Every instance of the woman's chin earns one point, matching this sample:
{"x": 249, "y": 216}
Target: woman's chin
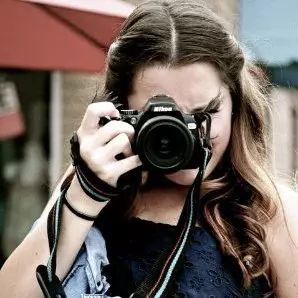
{"x": 183, "y": 177}
{"x": 187, "y": 177}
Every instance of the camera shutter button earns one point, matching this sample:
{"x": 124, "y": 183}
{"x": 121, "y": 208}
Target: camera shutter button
{"x": 133, "y": 120}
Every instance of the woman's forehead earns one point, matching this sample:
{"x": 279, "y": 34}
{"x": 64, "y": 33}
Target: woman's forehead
{"x": 187, "y": 85}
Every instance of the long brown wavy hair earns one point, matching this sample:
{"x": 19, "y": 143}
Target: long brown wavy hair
{"x": 240, "y": 194}
{"x": 177, "y": 33}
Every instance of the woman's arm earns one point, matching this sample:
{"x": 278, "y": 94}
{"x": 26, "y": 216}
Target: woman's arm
{"x": 282, "y": 243}
{"x": 17, "y": 278}
{"x": 98, "y": 147}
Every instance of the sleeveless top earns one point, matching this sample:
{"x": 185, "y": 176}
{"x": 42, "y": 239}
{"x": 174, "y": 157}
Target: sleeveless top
{"x": 134, "y": 244}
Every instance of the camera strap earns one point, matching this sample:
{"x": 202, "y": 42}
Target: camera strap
{"x": 158, "y": 281}
{"x": 46, "y": 275}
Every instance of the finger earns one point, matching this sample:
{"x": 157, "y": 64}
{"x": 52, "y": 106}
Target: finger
{"x": 97, "y": 110}
{"x": 112, "y": 129}
{"x": 102, "y": 146}
{"x": 111, "y": 172}
{"x": 119, "y": 144}
{"x": 125, "y": 165}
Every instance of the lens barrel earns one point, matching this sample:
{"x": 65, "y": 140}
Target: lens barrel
{"x": 164, "y": 144}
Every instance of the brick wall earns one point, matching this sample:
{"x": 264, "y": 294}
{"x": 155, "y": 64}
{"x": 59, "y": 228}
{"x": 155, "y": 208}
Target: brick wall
{"x": 78, "y": 89}
{"x": 285, "y": 128}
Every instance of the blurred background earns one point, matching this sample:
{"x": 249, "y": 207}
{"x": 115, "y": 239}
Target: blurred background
{"x": 52, "y": 61}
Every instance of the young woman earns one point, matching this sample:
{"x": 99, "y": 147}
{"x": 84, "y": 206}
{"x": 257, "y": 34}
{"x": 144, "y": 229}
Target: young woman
{"x": 245, "y": 239}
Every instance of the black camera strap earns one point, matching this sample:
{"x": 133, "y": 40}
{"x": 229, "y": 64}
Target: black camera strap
{"x": 46, "y": 275}
{"x": 158, "y": 281}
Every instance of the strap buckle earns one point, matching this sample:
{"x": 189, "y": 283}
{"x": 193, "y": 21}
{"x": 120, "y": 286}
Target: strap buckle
{"x": 50, "y": 289}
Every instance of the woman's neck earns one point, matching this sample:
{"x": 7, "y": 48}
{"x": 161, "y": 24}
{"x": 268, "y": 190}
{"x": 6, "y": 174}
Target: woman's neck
{"x": 163, "y": 204}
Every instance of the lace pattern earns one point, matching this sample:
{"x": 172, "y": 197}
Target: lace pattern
{"x": 133, "y": 248}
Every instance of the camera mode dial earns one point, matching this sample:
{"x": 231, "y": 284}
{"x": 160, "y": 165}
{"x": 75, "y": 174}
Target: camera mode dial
{"x": 129, "y": 116}
{"x": 129, "y": 112}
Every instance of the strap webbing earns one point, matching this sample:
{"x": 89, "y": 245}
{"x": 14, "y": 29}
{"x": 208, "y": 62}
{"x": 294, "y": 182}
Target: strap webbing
{"x": 158, "y": 281}
{"x": 46, "y": 277}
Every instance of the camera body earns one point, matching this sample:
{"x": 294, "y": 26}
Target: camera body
{"x": 166, "y": 139}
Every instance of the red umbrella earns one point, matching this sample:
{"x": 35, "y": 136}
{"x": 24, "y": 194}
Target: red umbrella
{"x": 59, "y": 34}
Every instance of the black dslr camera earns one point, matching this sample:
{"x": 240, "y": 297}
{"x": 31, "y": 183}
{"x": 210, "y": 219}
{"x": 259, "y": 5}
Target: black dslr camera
{"x": 166, "y": 140}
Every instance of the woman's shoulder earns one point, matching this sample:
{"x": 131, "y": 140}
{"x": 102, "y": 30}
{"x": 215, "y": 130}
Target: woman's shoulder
{"x": 286, "y": 191}
{"x": 282, "y": 242}
{"x": 287, "y": 210}
{"x": 85, "y": 277}
{"x": 285, "y": 221}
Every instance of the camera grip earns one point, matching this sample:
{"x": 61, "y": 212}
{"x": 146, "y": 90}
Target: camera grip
{"x": 126, "y": 180}
{"x": 129, "y": 179}
{"x": 104, "y": 120}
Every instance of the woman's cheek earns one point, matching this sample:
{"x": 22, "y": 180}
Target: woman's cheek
{"x": 220, "y": 137}
{"x": 215, "y": 131}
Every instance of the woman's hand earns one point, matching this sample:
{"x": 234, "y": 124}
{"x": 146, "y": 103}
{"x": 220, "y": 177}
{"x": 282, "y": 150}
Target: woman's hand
{"x": 99, "y": 145}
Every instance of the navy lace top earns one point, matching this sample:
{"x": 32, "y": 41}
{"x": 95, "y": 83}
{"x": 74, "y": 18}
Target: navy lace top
{"x": 134, "y": 245}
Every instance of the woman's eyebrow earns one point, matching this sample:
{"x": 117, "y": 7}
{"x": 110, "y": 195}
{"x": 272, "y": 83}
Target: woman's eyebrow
{"x": 214, "y": 102}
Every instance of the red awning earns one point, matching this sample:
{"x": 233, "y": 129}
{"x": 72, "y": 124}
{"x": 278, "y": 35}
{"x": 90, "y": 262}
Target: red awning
{"x": 59, "y": 34}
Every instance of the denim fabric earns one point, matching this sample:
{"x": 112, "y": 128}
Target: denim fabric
{"x": 84, "y": 279}
{"x": 85, "y": 276}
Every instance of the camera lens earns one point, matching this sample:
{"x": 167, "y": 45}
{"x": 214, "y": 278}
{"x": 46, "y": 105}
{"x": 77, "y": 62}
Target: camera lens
{"x": 165, "y": 144}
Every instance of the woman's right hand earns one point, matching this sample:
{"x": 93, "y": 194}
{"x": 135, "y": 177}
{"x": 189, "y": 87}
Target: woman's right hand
{"x": 99, "y": 145}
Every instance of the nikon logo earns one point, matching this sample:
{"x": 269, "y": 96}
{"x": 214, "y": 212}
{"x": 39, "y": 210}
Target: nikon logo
{"x": 162, "y": 109}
